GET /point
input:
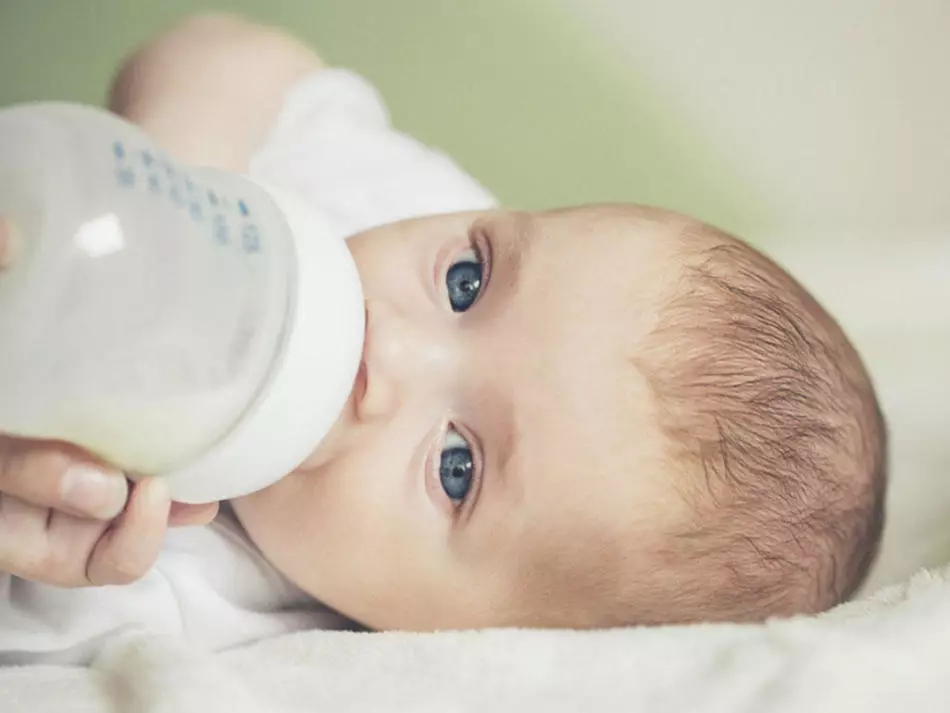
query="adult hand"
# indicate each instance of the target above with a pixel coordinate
(68, 521)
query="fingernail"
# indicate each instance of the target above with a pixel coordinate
(94, 491)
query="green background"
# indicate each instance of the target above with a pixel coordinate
(515, 90)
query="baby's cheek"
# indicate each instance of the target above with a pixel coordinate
(347, 501)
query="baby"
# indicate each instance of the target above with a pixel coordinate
(586, 417)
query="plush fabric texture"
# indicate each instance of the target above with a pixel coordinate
(881, 654)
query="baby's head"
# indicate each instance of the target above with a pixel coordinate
(583, 418)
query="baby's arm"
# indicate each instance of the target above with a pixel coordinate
(210, 88)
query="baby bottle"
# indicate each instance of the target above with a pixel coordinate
(179, 322)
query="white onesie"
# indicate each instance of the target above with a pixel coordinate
(333, 146)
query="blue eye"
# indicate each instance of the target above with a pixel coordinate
(456, 467)
(464, 281)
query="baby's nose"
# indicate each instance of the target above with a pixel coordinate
(401, 358)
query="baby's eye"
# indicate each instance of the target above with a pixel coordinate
(464, 281)
(456, 466)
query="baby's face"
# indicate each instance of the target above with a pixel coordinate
(498, 433)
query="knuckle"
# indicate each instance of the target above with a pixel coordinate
(116, 567)
(28, 560)
(44, 462)
(7, 529)
(120, 576)
(11, 462)
(23, 468)
(18, 549)
(29, 551)
(58, 566)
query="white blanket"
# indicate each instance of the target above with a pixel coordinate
(884, 654)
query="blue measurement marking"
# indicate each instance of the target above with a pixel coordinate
(194, 210)
(212, 197)
(148, 159)
(118, 149)
(153, 184)
(169, 169)
(175, 194)
(125, 177)
(242, 206)
(251, 239)
(220, 228)
(189, 185)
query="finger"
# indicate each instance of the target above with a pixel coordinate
(183, 514)
(128, 549)
(54, 475)
(43, 545)
(22, 535)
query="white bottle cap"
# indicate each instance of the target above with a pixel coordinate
(310, 381)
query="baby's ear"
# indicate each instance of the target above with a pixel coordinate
(183, 514)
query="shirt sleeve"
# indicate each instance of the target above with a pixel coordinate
(333, 145)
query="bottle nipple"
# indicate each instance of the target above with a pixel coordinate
(7, 243)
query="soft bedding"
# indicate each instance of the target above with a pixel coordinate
(884, 654)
